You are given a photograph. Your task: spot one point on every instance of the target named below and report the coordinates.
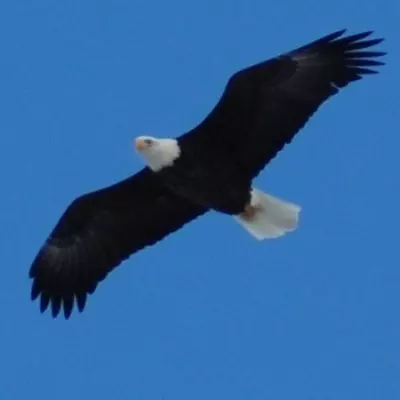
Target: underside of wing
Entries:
(265, 105)
(97, 232)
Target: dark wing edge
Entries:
(343, 52)
(265, 105)
(97, 232)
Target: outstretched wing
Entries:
(97, 232)
(265, 105)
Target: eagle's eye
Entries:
(148, 142)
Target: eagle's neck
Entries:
(162, 154)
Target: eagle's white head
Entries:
(158, 153)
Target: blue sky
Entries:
(209, 313)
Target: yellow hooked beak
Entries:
(140, 144)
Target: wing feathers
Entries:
(265, 105)
(97, 232)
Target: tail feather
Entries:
(272, 218)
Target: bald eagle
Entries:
(210, 167)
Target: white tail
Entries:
(272, 218)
